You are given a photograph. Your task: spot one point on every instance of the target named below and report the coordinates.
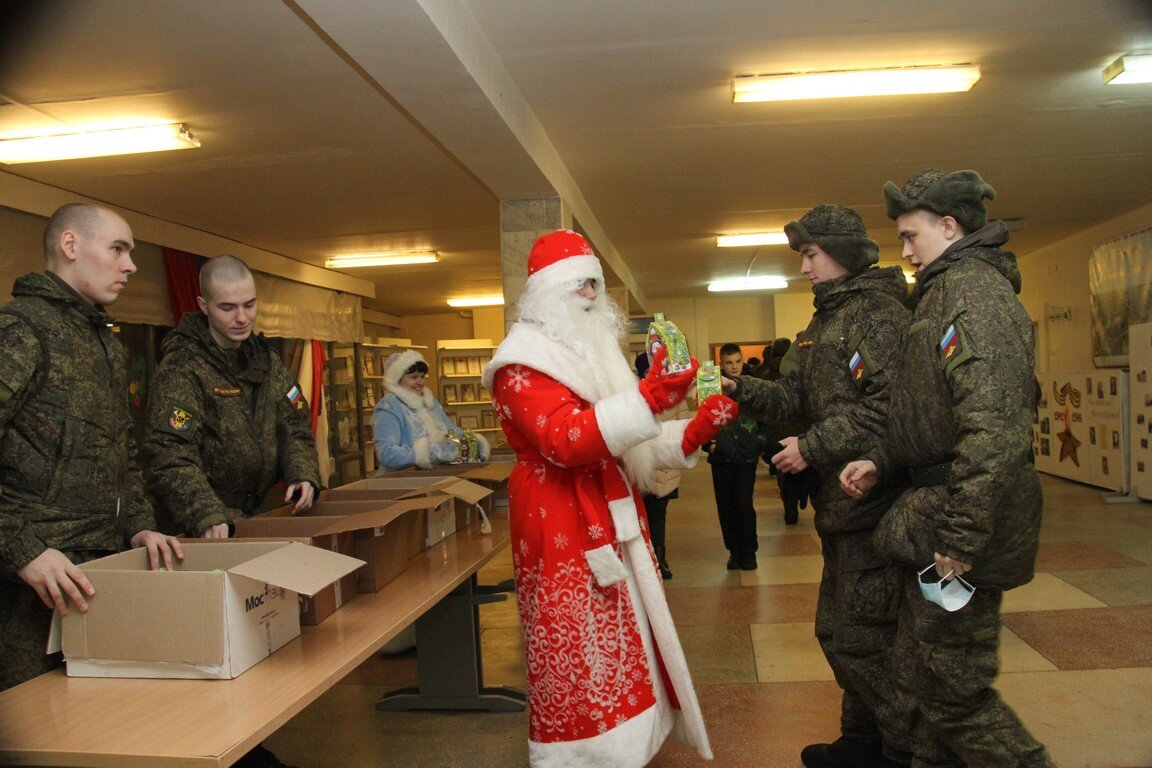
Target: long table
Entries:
(55, 720)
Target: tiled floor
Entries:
(1076, 651)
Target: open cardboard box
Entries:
(381, 530)
(491, 474)
(315, 608)
(225, 607)
(442, 520)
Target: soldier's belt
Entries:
(926, 477)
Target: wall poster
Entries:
(1140, 408)
(1081, 429)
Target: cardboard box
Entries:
(440, 521)
(380, 530)
(315, 608)
(492, 475)
(225, 607)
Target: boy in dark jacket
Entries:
(733, 456)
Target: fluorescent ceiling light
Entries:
(762, 283)
(1129, 69)
(863, 82)
(118, 141)
(390, 259)
(752, 238)
(477, 301)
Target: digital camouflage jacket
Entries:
(68, 473)
(834, 386)
(964, 391)
(224, 427)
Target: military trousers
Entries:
(856, 623)
(947, 662)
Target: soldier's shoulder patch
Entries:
(179, 421)
(226, 391)
(950, 343)
(858, 366)
(295, 397)
(804, 343)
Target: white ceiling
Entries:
(335, 126)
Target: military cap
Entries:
(840, 233)
(959, 194)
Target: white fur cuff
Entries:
(624, 518)
(485, 450)
(668, 450)
(625, 420)
(605, 565)
(423, 456)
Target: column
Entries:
(521, 222)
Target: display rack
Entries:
(355, 385)
(460, 365)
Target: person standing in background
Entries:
(733, 456)
(70, 488)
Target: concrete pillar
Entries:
(521, 222)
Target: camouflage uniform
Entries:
(224, 426)
(68, 474)
(840, 403)
(963, 400)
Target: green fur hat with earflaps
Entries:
(840, 233)
(959, 195)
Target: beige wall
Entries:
(793, 313)
(1055, 278)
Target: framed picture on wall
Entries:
(450, 394)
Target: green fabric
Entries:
(960, 195)
(222, 429)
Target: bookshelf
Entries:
(459, 366)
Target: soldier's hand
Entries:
(790, 460)
(304, 503)
(946, 566)
(160, 547)
(859, 477)
(727, 386)
(53, 576)
(219, 531)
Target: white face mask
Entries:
(950, 593)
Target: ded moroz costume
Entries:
(607, 678)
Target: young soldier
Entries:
(70, 490)
(227, 419)
(834, 383)
(960, 427)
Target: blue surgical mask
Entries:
(950, 593)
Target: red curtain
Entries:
(319, 359)
(182, 272)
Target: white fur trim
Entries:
(630, 745)
(668, 450)
(605, 565)
(625, 420)
(401, 361)
(423, 453)
(485, 449)
(624, 518)
(570, 269)
(527, 345)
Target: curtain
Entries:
(183, 277)
(1120, 286)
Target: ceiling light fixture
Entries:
(117, 141)
(477, 301)
(390, 259)
(848, 83)
(752, 238)
(1129, 69)
(762, 283)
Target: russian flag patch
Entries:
(950, 344)
(295, 397)
(856, 366)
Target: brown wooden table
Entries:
(55, 720)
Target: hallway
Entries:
(1076, 654)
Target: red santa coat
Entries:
(607, 679)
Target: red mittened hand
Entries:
(715, 412)
(662, 391)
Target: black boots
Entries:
(845, 753)
(665, 571)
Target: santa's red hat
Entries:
(561, 256)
